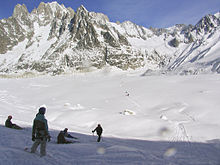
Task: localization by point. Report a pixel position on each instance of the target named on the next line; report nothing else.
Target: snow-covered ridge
(54, 39)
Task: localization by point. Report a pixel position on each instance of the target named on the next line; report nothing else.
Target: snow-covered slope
(55, 39)
(164, 120)
(111, 151)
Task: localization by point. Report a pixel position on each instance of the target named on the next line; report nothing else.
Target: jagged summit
(207, 23)
(20, 10)
(55, 39)
(82, 8)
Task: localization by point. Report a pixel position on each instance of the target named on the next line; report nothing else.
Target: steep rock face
(54, 39)
(207, 24)
(10, 36)
(83, 31)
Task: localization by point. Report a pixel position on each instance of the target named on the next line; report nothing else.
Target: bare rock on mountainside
(54, 39)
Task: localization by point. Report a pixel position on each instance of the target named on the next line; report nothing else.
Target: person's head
(66, 129)
(9, 117)
(99, 125)
(42, 110)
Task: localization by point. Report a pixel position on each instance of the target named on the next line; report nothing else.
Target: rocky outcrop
(174, 42)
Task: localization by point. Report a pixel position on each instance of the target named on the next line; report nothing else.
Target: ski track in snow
(180, 133)
(179, 128)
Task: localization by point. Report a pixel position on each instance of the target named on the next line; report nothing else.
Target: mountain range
(53, 39)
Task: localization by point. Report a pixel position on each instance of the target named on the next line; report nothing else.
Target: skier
(61, 138)
(98, 130)
(127, 94)
(9, 124)
(66, 134)
(40, 134)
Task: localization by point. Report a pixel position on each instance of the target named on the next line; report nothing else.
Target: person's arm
(94, 130)
(69, 136)
(46, 126)
(47, 132)
(33, 131)
(12, 125)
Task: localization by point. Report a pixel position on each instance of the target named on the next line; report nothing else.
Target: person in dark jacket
(40, 134)
(61, 138)
(9, 124)
(98, 130)
(66, 134)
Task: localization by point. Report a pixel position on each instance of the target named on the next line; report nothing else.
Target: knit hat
(42, 110)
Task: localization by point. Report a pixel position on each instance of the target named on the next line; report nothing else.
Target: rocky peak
(70, 12)
(21, 15)
(133, 30)
(207, 23)
(82, 9)
(81, 13)
(80, 20)
(20, 20)
(41, 8)
(43, 14)
(20, 11)
(98, 18)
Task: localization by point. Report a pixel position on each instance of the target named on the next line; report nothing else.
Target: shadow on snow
(109, 151)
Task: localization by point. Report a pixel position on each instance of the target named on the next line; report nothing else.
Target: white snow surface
(151, 120)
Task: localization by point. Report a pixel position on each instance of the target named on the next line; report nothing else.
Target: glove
(33, 138)
(93, 131)
(48, 138)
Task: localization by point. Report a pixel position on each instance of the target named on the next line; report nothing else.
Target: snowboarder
(66, 134)
(40, 134)
(61, 138)
(98, 130)
(9, 124)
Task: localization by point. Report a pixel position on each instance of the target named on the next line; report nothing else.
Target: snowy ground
(165, 120)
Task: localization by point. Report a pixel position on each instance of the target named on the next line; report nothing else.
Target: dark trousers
(99, 138)
(42, 144)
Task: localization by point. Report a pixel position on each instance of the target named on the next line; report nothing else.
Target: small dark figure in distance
(40, 134)
(98, 130)
(61, 138)
(9, 124)
(66, 134)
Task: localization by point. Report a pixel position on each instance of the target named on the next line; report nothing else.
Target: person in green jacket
(9, 124)
(40, 134)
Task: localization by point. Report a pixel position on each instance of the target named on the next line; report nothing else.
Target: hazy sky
(148, 13)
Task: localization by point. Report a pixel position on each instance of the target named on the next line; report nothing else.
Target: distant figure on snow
(61, 138)
(40, 134)
(98, 130)
(9, 124)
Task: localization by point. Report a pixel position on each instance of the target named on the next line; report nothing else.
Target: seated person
(9, 124)
(66, 134)
(61, 138)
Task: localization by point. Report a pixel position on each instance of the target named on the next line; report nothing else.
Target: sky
(147, 13)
